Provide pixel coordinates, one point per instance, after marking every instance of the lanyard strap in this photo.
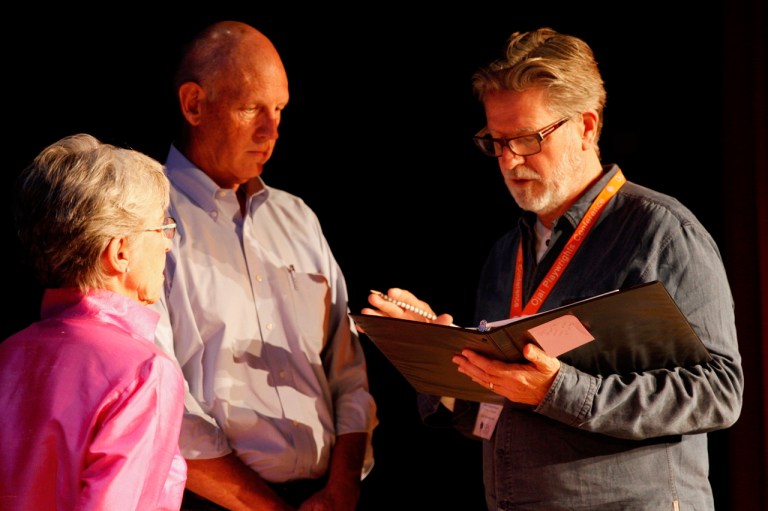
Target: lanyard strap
(546, 285)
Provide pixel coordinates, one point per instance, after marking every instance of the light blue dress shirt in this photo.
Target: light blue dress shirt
(256, 313)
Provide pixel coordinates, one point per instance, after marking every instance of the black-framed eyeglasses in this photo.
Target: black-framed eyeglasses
(168, 228)
(524, 145)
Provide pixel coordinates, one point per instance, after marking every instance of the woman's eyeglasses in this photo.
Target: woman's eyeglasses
(168, 228)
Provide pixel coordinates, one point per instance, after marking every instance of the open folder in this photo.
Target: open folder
(632, 330)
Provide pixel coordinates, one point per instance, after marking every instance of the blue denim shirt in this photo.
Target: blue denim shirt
(632, 441)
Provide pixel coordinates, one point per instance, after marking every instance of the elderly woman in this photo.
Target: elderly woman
(91, 406)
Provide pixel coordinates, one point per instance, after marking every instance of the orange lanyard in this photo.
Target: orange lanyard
(594, 211)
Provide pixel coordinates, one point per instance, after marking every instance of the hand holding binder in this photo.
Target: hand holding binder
(633, 330)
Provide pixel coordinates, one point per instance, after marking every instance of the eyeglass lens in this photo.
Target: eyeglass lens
(169, 227)
(522, 146)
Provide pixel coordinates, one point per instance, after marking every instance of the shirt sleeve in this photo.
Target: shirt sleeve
(200, 437)
(678, 401)
(345, 365)
(133, 462)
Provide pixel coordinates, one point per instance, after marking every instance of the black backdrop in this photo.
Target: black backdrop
(376, 139)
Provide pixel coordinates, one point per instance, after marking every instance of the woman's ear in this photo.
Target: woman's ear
(115, 256)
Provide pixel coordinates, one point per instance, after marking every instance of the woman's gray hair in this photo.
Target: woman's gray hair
(74, 198)
(563, 66)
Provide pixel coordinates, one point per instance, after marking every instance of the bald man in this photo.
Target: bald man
(278, 411)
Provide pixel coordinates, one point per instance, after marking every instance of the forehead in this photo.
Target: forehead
(256, 79)
(516, 112)
(157, 213)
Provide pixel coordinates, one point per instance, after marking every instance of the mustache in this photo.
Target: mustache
(521, 172)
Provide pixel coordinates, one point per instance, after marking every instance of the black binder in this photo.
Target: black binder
(635, 330)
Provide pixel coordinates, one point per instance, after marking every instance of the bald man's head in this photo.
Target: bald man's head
(221, 51)
(232, 89)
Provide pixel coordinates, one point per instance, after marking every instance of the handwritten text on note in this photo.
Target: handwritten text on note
(561, 334)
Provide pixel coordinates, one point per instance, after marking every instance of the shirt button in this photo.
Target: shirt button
(214, 214)
(270, 326)
(259, 278)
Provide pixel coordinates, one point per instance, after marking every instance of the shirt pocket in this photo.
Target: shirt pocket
(310, 295)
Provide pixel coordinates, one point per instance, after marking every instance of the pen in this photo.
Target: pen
(406, 306)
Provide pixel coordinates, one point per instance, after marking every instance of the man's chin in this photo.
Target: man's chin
(254, 169)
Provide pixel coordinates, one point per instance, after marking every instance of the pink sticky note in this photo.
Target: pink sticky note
(561, 334)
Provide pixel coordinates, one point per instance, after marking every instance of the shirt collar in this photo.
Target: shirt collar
(577, 211)
(195, 184)
(106, 306)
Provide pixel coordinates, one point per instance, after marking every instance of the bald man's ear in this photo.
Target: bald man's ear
(190, 98)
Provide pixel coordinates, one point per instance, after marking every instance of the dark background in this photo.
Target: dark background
(376, 139)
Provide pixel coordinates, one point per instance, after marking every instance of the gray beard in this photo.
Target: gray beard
(558, 187)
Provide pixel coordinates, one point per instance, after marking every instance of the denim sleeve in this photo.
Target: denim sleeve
(696, 399)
